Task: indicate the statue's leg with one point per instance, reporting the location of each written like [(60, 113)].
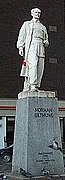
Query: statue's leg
[(40, 70), (36, 72), (26, 84), (33, 76)]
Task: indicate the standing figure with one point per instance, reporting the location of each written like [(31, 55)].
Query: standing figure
[(33, 39)]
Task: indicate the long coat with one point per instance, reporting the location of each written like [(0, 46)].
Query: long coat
[(25, 39)]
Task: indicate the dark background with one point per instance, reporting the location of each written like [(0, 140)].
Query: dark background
[(12, 14)]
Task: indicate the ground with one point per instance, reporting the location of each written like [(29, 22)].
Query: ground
[(6, 168)]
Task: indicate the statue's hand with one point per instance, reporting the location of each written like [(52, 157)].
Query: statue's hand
[(21, 52), (46, 43)]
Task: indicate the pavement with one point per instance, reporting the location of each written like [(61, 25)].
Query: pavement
[(6, 169), (14, 177)]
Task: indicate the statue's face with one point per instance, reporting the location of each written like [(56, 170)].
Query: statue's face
[(36, 14)]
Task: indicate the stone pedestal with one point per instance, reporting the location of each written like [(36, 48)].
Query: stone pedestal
[(37, 124)]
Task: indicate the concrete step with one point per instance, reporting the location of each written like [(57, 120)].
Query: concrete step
[(14, 177)]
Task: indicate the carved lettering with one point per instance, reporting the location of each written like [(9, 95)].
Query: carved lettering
[(45, 157), (42, 112)]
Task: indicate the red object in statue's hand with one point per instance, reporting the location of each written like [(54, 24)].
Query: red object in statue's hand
[(24, 62)]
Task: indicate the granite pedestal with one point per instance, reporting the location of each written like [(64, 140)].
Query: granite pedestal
[(37, 124)]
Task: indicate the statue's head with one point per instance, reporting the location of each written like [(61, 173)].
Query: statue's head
[(35, 12)]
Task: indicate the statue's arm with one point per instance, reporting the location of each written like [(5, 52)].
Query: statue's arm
[(46, 41), (21, 37)]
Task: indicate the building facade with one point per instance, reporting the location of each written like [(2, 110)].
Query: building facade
[(8, 117)]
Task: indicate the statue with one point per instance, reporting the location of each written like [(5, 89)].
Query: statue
[(32, 40)]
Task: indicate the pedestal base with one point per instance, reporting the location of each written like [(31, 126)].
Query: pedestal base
[(36, 93), (37, 124)]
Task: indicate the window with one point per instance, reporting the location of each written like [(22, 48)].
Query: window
[(10, 130), (53, 60), (53, 28), (0, 117)]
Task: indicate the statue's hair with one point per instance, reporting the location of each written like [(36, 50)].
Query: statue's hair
[(34, 9)]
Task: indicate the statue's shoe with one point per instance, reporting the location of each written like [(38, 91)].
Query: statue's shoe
[(26, 89), (33, 88)]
